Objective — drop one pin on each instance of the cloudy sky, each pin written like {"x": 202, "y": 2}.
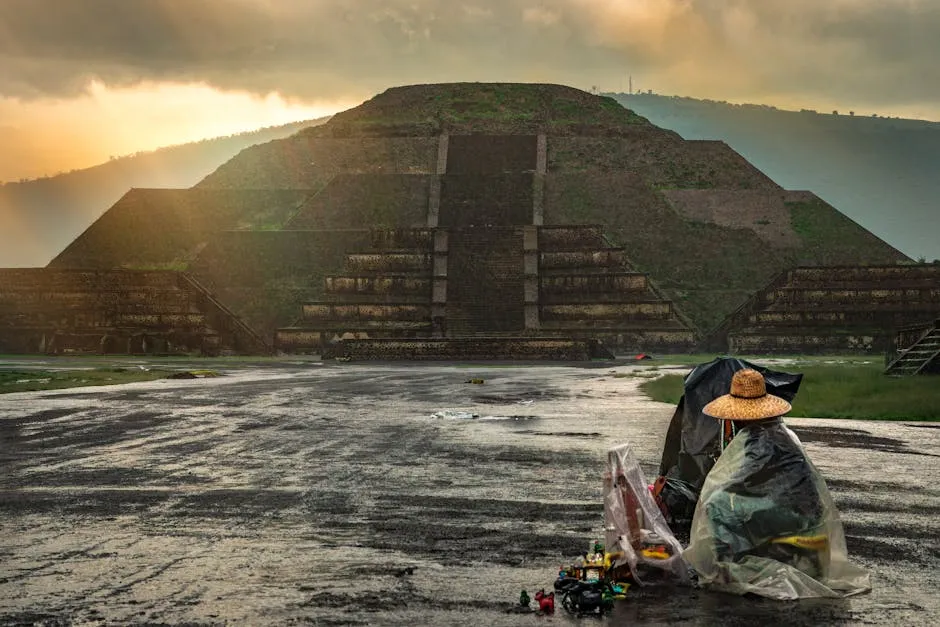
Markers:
{"x": 81, "y": 80}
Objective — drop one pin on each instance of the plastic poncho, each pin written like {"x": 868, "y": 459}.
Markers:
{"x": 635, "y": 529}
{"x": 765, "y": 522}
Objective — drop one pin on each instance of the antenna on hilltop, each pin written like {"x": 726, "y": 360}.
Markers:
{"x": 631, "y": 84}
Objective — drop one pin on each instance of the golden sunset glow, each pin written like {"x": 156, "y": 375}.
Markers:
{"x": 50, "y": 136}
{"x": 83, "y": 81}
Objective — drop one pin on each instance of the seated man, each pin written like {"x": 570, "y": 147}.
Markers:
{"x": 765, "y": 522}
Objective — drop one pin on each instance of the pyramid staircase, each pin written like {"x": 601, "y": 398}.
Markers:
{"x": 922, "y": 355}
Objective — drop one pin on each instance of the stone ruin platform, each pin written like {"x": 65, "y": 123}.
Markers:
{"x": 44, "y": 310}
{"x": 470, "y": 348}
{"x": 832, "y": 309}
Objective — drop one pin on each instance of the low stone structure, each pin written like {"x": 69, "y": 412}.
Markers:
{"x": 116, "y": 311}
{"x": 838, "y": 309}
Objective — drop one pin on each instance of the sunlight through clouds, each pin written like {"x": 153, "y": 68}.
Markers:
{"x": 53, "y": 135}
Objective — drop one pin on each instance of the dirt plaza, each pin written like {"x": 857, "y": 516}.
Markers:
{"x": 340, "y": 493}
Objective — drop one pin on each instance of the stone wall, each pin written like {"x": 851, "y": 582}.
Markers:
{"x": 586, "y": 289}
{"x": 707, "y": 268}
{"x": 812, "y": 309}
{"x": 112, "y": 311}
{"x": 762, "y": 211}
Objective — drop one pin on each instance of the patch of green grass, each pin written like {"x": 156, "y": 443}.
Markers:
{"x": 848, "y": 390}
{"x": 21, "y": 380}
{"x": 34, "y": 380}
{"x": 665, "y": 389}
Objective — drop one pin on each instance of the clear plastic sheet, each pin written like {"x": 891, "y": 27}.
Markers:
{"x": 766, "y": 524}
{"x": 636, "y": 532}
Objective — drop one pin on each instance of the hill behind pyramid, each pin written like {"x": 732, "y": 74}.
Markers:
{"x": 707, "y": 227}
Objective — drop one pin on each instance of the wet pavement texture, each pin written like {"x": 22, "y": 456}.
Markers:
{"x": 326, "y": 493}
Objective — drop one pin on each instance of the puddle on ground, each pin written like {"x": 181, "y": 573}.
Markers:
{"x": 837, "y": 437}
{"x": 459, "y": 414}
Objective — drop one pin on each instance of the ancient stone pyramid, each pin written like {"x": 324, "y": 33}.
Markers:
{"x": 480, "y": 212}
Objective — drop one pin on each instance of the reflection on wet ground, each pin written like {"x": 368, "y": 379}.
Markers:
{"x": 347, "y": 494}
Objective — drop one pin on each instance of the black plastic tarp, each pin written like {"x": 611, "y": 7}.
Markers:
{"x": 692, "y": 441}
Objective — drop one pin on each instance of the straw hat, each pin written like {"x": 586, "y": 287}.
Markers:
{"x": 748, "y": 400}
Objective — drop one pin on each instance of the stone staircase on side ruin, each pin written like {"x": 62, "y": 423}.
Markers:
{"x": 920, "y": 357}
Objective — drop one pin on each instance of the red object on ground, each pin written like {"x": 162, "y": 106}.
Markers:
{"x": 642, "y": 356}
{"x": 546, "y": 601}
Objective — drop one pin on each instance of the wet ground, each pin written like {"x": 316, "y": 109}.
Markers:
{"x": 311, "y": 493}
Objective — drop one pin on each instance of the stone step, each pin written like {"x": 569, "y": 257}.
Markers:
{"x": 377, "y": 298}
{"x": 570, "y": 238}
{"x": 575, "y": 299}
{"x": 39, "y": 295}
{"x": 839, "y": 295}
{"x": 322, "y": 312}
{"x": 752, "y": 341}
{"x": 848, "y": 315}
{"x": 192, "y": 320}
{"x": 378, "y": 284}
{"x": 60, "y": 315}
{"x": 834, "y": 274}
{"x": 386, "y": 262}
{"x": 593, "y": 283}
{"x": 417, "y": 240}
{"x": 914, "y": 283}
{"x": 577, "y": 327}
{"x": 639, "y": 340}
{"x": 298, "y": 340}
{"x": 621, "y": 311}
{"x": 382, "y": 328}
{"x": 599, "y": 258}
{"x": 582, "y": 270}
{"x": 48, "y": 280}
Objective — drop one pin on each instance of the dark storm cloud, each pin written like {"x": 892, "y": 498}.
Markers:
{"x": 873, "y": 50}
